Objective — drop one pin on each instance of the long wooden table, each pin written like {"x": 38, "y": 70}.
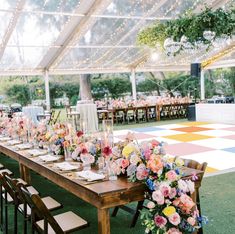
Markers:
{"x": 103, "y": 194}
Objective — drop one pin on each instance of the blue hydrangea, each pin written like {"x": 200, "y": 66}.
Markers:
{"x": 150, "y": 184}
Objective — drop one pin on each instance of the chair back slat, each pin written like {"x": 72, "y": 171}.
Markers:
{"x": 48, "y": 218}
{"x": 5, "y": 184}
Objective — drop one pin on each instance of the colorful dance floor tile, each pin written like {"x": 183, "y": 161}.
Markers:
{"x": 232, "y": 137}
{"x": 149, "y": 129}
{"x": 188, "y": 137}
{"x": 185, "y": 149}
{"x": 230, "y": 129}
{"x": 201, "y": 141}
{"x": 232, "y": 150}
{"x": 192, "y": 129}
{"x": 166, "y": 132}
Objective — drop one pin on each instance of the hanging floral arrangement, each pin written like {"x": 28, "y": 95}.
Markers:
{"x": 191, "y": 31}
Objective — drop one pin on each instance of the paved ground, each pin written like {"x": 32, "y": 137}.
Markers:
{"x": 201, "y": 141}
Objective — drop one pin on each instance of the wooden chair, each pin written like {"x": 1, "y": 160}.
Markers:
{"x": 54, "y": 117}
{"x": 140, "y": 205}
{"x": 51, "y": 117}
{"x": 63, "y": 223}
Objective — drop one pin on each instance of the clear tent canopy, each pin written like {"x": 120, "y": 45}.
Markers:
{"x": 94, "y": 36}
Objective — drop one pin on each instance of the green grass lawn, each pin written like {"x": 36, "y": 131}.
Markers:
{"x": 217, "y": 202}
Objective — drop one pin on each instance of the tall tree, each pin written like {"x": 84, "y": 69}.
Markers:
{"x": 85, "y": 87}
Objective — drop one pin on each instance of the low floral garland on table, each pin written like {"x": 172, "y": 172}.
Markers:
{"x": 170, "y": 208}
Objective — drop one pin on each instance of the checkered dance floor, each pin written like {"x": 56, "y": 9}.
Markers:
{"x": 200, "y": 141}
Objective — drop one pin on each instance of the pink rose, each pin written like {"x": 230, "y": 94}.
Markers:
{"x": 158, "y": 197}
{"x": 165, "y": 189}
{"x": 147, "y": 153}
{"x": 172, "y": 193}
{"x": 150, "y": 205}
{"x": 160, "y": 221}
{"x": 155, "y": 143}
{"x": 171, "y": 175}
{"x": 174, "y": 231}
{"x": 174, "y": 219}
{"x": 191, "y": 221}
{"x": 125, "y": 163}
{"x": 141, "y": 175}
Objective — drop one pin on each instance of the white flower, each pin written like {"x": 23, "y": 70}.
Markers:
{"x": 190, "y": 185}
{"x": 183, "y": 186}
{"x": 134, "y": 159}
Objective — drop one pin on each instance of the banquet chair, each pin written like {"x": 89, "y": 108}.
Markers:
{"x": 54, "y": 117}
{"x": 44, "y": 222}
{"x": 24, "y": 209}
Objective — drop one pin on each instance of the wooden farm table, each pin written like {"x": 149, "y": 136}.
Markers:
{"x": 103, "y": 194}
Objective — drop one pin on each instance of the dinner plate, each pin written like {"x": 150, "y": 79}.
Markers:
{"x": 48, "y": 158}
{"x": 14, "y": 142}
{"x": 90, "y": 175}
{"x": 5, "y": 139}
{"x": 36, "y": 152}
{"x": 65, "y": 166}
{"x": 23, "y": 146}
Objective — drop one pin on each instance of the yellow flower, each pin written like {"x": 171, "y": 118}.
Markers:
{"x": 48, "y": 135}
{"x": 168, "y": 211}
{"x": 179, "y": 162}
{"x": 127, "y": 150}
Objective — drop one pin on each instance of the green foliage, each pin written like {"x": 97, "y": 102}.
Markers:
{"x": 114, "y": 87}
{"x": 19, "y": 93}
{"x": 192, "y": 26}
{"x": 147, "y": 86}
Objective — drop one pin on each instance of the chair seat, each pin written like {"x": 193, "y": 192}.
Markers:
{"x": 7, "y": 171}
{"x": 21, "y": 181}
{"x": 9, "y": 198}
{"x": 68, "y": 221}
{"x": 50, "y": 203}
{"x": 32, "y": 190}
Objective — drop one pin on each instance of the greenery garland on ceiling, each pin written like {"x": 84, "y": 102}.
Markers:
{"x": 190, "y": 28}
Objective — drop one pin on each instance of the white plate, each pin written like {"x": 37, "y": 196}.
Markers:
{"x": 5, "y": 139}
{"x": 48, "y": 158}
{"x": 35, "y": 152}
{"x": 65, "y": 166}
{"x": 24, "y": 146}
{"x": 90, "y": 175}
{"x": 14, "y": 142}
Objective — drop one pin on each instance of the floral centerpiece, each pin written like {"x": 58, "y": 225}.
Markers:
{"x": 86, "y": 149}
{"x": 170, "y": 208}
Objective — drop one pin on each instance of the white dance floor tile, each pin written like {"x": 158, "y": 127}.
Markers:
{"x": 217, "y": 159}
{"x": 216, "y": 143}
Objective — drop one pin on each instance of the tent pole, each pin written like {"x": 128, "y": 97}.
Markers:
{"x": 133, "y": 84}
{"x": 47, "y": 90}
{"x": 202, "y": 85}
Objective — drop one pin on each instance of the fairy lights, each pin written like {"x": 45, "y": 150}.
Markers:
{"x": 114, "y": 28}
